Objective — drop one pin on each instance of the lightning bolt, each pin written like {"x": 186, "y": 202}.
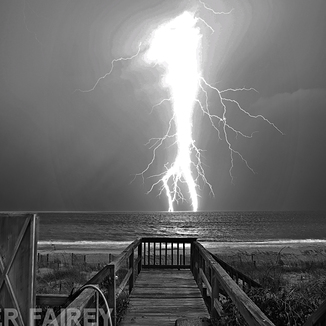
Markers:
{"x": 213, "y": 11}
{"x": 25, "y": 21}
{"x": 110, "y": 71}
{"x": 176, "y": 46}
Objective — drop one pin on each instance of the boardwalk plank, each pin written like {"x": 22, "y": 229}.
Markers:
{"x": 162, "y": 296}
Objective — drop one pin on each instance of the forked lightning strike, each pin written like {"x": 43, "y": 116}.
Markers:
{"x": 176, "y": 46}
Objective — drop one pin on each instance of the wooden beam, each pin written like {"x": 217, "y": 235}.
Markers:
{"x": 51, "y": 300}
{"x": 205, "y": 280}
{"x": 167, "y": 266}
{"x": 123, "y": 283}
{"x": 173, "y": 239}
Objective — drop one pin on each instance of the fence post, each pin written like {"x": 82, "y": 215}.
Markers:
{"x": 178, "y": 258}
{"x": 215, "y": 295}
{"x": 154, "y": 254}
{"x": 192, "y": 258}
{"x": 166, "y": 253}
{"x": 160, "y": 253}
{"x": 131, "y": 266}
{"x": 112, "y": 292}
{"x": 140, "y": 254}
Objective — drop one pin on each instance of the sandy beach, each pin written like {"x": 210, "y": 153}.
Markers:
{"x": 289, "y": 251}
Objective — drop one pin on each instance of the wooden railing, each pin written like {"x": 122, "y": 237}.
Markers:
{"x": 51, "y": 300}
{"x": 166, "y": 252}
{"x": 129, "y": 261}
{"x": 212, "y": 280}
{"x": 244, "y": 281}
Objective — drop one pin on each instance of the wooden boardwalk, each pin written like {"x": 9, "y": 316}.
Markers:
{"x": 160, "y": 296}
{"x": 168, "y": 279}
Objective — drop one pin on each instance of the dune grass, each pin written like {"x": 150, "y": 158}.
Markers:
{"x": 61, "y": 277}
{"x": 292, "y": 288}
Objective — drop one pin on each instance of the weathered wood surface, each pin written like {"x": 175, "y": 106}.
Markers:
{"x": 18, "y": 241}
{"x": 193, "y": 322}
{"x": 51, "y": 300}
{"x": 160, "y": 297}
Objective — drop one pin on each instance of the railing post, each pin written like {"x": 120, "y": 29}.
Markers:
{"x": 215, "y": 295}
{"x": 184, "y": 253}
{"x": 112, "y": 292}
{"x": 140, "y": 258}
{"x": 178, "y": 258}
{"x": 160, "y": 253}
{"x": 149, "y": 252}
{"x": 192, "y": 257}
{"x": 97, "y": 307}
{"x": 154, "y": 254}
{"x": 166, "y": 253}
{"x": 132, "y": 267}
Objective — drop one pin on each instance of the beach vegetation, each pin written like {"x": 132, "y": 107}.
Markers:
{"x": 291, "y": 289}
{"x": 59, "y": 276}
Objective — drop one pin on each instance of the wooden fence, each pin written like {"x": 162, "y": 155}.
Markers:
{"x": 18, "y": 243}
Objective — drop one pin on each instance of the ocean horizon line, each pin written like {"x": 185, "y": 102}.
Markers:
{"x": 113, "y": 242}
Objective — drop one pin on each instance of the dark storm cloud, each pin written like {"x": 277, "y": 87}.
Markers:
{"x": 64, "y": 150}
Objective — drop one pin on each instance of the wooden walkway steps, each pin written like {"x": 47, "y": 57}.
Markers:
{"x": 160, "y": 296}
{"x": 169, "y": 279}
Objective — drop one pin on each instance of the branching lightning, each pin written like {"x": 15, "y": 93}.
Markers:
{"x": 176, "y": 46}
{"x": 110, "y": 71}
{"x": 213, "y": 11}
{"x": 25, "y": 22}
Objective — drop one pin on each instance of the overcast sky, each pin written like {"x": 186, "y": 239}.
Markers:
{"x": 66, "y": 150}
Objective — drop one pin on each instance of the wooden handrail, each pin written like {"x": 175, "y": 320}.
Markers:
{"x": 82, "y": 299}
{"x": 234, "y": 273}
{"x": 165, "y": 239}
{"x": 52, "y": 300}
{"x": 217, "y": 278}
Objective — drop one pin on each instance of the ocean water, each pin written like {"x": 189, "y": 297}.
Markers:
{"x": 119, "y": 228}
